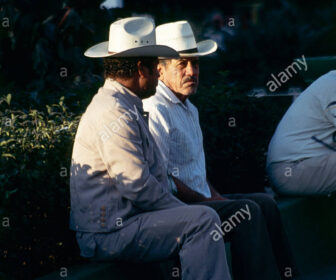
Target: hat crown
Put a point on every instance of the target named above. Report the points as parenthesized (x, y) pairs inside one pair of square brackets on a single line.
[(177, 35), (131, 33)]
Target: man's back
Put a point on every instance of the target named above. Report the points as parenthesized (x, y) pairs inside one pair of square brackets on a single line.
[(111, 166), (308, 121)]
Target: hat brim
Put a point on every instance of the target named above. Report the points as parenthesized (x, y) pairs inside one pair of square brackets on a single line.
[(101, 50), (204, 48)]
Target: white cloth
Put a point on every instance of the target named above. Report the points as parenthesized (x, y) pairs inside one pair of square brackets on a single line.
[(308, 121), (111, 4), (175, 128)]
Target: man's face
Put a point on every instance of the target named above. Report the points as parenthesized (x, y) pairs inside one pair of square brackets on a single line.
[(150, 79), (180, 75)]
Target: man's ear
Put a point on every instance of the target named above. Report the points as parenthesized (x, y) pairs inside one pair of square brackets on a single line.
[(160, 68), (143, 71)]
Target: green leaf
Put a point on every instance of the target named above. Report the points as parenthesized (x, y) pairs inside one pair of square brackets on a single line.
[(9, 193), (8, 98), (3, 143), (61, 101), (8, 155), (49, 109)]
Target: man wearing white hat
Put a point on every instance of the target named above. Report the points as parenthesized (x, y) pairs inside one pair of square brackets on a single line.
[(121, 207), (251, 222)]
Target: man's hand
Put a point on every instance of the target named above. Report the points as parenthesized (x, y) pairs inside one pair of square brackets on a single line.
[(216, 198), (186, 194), (214, 194)]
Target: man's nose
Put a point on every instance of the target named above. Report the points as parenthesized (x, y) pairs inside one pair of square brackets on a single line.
[(191, 69)]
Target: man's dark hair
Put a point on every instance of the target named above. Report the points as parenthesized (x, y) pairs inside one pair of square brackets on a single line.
[(125, 68)]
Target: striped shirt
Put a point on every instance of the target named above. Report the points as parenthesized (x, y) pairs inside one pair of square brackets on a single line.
[(175, 128)]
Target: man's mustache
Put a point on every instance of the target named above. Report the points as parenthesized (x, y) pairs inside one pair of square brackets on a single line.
[(189, 79)]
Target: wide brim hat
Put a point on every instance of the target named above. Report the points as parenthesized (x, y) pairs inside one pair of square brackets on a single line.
[(179, 36), (131, 37)]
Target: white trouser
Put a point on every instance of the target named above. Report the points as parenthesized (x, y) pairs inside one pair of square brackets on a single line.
[(312, 176)]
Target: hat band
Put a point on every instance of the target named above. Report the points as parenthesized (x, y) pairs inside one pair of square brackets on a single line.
[(189, 50)]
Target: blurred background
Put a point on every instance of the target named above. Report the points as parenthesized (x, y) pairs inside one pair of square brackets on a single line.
[(46, 84)]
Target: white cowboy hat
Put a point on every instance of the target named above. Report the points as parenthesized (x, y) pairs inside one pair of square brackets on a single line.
[(179, 36), (131, 37)]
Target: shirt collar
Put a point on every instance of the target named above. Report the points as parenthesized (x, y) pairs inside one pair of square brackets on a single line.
[(168, 94), (131, 96)]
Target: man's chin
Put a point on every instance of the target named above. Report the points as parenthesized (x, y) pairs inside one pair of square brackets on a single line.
[(147, 94), (191, 91)]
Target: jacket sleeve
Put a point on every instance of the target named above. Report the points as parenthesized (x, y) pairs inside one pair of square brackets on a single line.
[(330, 112), (121, 147)]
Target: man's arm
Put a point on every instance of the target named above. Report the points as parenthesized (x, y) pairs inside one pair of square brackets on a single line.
[(214, 194), (330, 112), (123, 156), (159, 124), (186, 194)]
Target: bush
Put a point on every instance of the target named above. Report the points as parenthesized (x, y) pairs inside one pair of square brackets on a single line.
[(35, 154)]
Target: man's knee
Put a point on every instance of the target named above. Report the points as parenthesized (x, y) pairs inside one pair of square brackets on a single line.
[(265, 200), (203, 213), (251, 208)]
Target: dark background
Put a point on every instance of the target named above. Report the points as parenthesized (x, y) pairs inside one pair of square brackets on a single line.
[(41, 105)]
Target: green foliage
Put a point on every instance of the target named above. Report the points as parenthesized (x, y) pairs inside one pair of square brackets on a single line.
[(35, 153)]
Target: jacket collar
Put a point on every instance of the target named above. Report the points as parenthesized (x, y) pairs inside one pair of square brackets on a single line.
[(129, 95), (166, 92)]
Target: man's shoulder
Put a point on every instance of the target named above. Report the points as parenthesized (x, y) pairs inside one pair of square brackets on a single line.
[(323, 86), (109, 109), (316, 96), (106, 100), (192, 106), (156, 104)]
